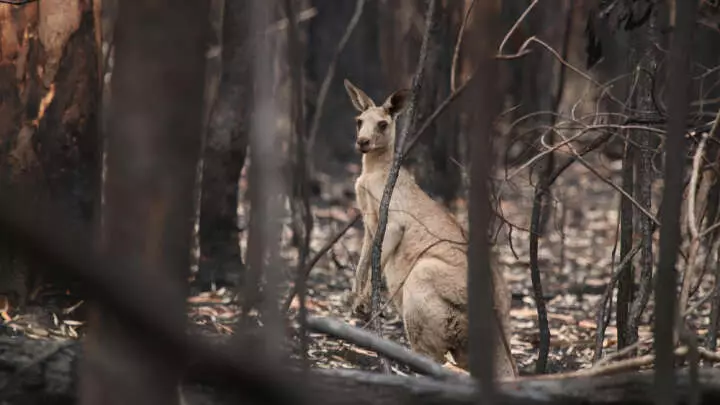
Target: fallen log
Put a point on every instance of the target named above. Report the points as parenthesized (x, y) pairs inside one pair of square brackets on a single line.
[(45, 372), (387, 348)]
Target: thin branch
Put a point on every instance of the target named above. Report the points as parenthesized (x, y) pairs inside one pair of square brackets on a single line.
[(283, 24), (604, 313), (515, 26), (300, 189), (434, 116), (458, 42), (566, 141), (618, 271), (313, 261), (692, 225), (615, 186), (397, 162), (325, 86)]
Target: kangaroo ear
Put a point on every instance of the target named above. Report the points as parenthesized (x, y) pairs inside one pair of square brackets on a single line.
[(396, 103), (360, 100)]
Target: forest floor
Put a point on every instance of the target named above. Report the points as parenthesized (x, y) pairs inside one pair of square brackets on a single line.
[(576, 260), (576, 256)]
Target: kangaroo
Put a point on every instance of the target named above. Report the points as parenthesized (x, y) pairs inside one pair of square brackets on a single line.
[(424, 252)]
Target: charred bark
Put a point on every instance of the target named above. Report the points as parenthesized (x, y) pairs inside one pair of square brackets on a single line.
[(224, 158), (432, 163), (644, 53), (49, 97)]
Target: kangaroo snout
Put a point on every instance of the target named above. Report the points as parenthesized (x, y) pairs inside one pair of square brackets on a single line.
[(363, 145)]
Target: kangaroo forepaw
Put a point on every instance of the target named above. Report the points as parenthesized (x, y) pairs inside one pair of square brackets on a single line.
[(359, 306)]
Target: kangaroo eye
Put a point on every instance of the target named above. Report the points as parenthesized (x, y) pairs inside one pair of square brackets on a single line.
[(358, 122), (382, 125)]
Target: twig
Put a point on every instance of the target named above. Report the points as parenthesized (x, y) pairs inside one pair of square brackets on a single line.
[(567, 140), (397, 161), (458, 42), (402, 282), (390, 349), (618, 271), (313, 261), (325, 86), (601, 318), (544, 345), (515, 26), (300, 190), (620, 353), (534, 267), (283, 24), (692, 225), (695, 175), (540, 207), (438, 111), (626, 333), (615, 186), (524, 51), (614, 368)]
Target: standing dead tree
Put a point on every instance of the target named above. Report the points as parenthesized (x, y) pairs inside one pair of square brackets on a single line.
[(482, 109), (50, 81), (224, 155), (300, 187), (266, 187), (678, 101), (153, 143), (645, 42)]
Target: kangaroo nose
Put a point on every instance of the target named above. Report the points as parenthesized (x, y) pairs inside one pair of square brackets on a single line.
[(363, 143)]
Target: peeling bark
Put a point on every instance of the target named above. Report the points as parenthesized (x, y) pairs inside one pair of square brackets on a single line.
[(49, 93)]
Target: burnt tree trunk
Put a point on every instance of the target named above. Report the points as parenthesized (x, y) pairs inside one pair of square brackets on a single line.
[(224, 158), (50, 83), (155, 125), (432, 162), (644, 54)]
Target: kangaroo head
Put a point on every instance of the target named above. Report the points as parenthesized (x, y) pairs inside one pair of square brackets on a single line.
[(376, 125)]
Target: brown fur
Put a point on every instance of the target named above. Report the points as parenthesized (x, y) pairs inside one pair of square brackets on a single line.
[(424, 255)]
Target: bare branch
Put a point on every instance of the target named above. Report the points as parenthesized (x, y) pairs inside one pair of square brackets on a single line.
[(515, 27), (325, 86), (313, 261), (397, 162), (458, 42)]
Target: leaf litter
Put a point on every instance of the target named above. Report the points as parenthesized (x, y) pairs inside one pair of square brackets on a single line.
[(575, 260)]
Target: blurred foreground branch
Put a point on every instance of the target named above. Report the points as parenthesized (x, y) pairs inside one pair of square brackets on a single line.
[(54, 378)]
